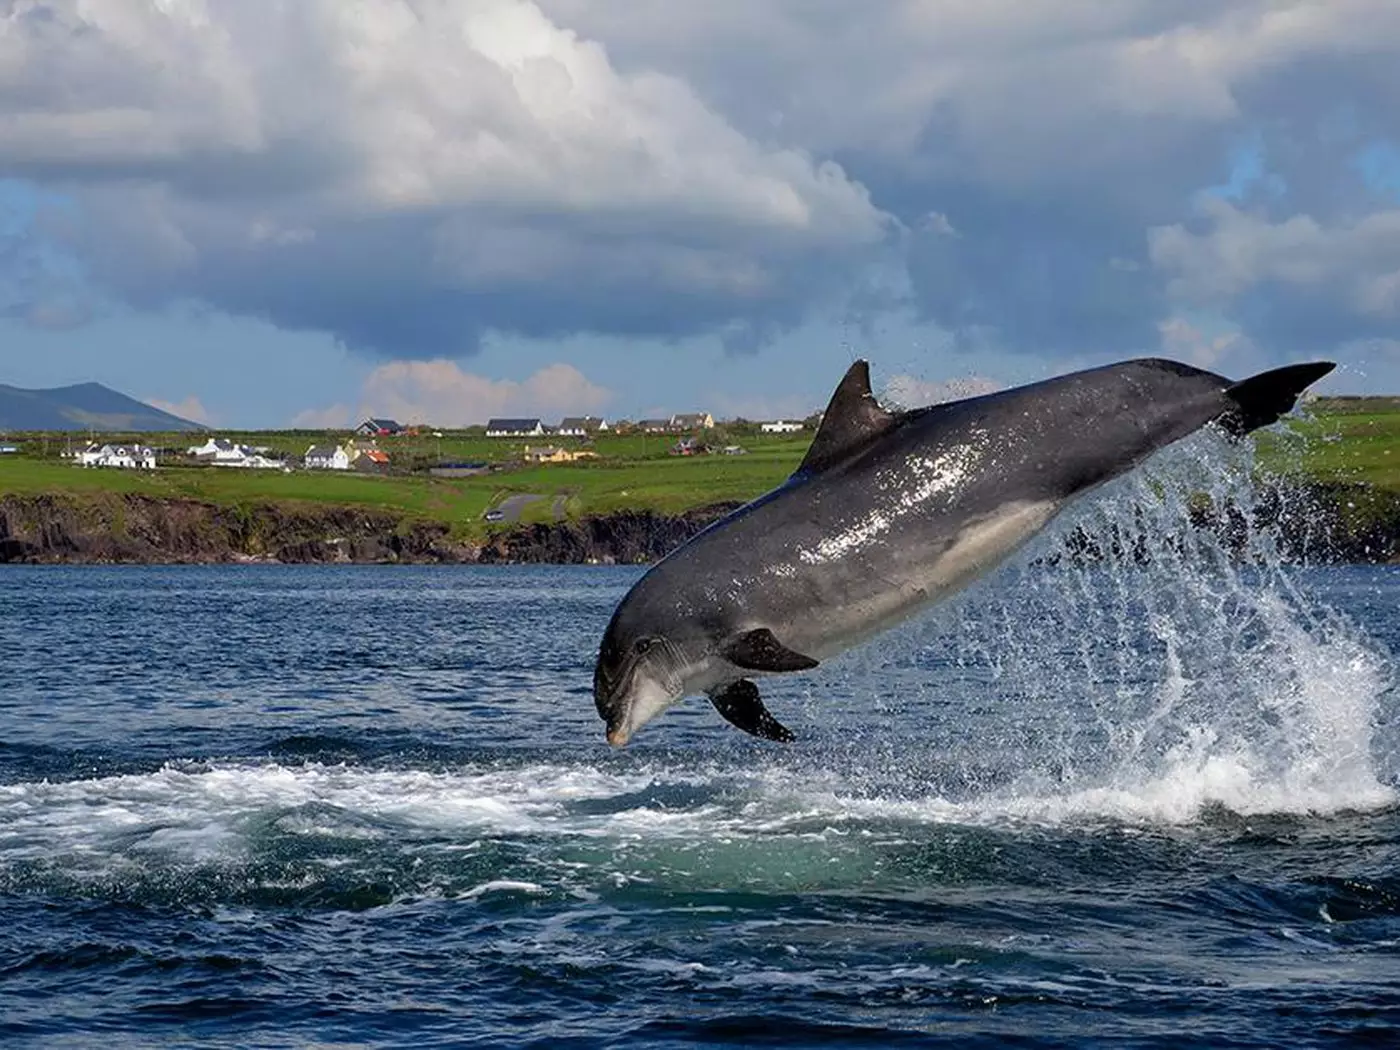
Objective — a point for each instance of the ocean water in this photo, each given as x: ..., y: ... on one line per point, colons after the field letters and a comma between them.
x: 1139, y: 805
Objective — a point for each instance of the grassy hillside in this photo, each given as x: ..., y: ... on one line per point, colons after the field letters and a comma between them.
x: 1347, y: 440
x: 631, y: 472
x: 1355, y: 440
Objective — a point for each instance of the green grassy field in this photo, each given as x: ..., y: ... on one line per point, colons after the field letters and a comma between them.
x: 1355, y: 440
x: 1351, y: 440
x: 631, y: 472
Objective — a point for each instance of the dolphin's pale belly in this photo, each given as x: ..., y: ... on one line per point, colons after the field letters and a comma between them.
x: 880, y: 579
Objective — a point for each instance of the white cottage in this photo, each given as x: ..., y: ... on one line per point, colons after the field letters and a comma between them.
x: 780, y: 426
x: 219, y: 452
x: 327, y: 457
x: 581, y: 426
x: 129, y: 457
x: 509, y: 428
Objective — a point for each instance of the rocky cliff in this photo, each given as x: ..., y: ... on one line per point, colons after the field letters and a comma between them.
x: 117, y: 529
x: 1318, y: 522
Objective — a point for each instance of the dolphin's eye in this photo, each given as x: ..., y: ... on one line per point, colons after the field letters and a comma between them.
x: 643, y: 645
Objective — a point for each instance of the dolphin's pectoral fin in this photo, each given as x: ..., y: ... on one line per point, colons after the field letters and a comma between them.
x: 739, y: 704
x: 760, y: 650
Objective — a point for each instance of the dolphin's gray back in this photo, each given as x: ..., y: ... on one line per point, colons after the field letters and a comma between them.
x: 889, y: 512
x: 836, y: 555
x: 926, y: 501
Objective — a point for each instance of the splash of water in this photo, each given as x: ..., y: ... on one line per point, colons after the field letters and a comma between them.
x: 1189, y: 667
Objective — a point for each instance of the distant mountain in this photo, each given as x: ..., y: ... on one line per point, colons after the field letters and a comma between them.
x: 87, y: 406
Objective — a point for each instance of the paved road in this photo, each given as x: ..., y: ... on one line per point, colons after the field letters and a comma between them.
x: 511, y: 506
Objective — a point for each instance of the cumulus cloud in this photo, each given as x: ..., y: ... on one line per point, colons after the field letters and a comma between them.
x: 1295, y: 273
x: 439, y: 393
x: 1050, y: 138
x: 1187, y: 342
x: 190, y: 408
x: 410, y: 174
x: 906, y: 391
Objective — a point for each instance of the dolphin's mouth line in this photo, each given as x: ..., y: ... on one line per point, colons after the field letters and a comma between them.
x: 645, y: 686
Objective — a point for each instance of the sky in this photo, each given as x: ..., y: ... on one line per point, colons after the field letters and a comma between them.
x: 260, y: 213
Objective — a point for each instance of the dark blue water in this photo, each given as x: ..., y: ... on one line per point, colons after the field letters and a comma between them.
x: 293, y: 807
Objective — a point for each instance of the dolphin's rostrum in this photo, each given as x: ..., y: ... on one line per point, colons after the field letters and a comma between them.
x: 889, y: 512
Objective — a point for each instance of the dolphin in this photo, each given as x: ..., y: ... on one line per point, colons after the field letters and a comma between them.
x: 889, y: 512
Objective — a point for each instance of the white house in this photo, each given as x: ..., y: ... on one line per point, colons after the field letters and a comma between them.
x: 131, y: 457
x: 692, y: 421
x: 500, y: 428
x: 221, y: 453
x: 380, y: 428
x: 217, y: 450
x: 780, y: 426
x: 327, y: 457
x: 581, y: 426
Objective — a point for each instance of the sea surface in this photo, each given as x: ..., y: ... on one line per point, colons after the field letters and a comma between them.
x: 1118, y: 804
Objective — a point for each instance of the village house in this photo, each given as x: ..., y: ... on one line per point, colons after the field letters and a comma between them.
x: 8, y: 450
x: 370, y: 461
x: 379, y: 428
x: 780, y: 426
x: 129, y: 457
x: 221, y: 453
x: 556, y: 455
x: 693, y: 421
x: 218, y: 450
x: 327, y: 457
x: 655, y: 426
x: 514, y: 428
x: 581, y: 426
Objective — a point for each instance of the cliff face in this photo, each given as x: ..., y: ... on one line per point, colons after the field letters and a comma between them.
x: 140, y: 529
x: 627, y: 537
x: 111, y: 528
x: 1318, y: 522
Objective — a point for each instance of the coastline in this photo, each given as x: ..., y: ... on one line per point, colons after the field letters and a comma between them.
x: 128, y: 529
x: 1322, y: 522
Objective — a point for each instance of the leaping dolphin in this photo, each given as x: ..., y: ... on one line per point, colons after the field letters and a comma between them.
x: 888, y: 513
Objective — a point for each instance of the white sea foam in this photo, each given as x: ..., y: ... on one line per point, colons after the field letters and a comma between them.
x: 196, y: 815
x: 504, y: 886
x: 195, y: 808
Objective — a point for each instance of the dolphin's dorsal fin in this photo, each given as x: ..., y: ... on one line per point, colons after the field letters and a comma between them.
x: 852, y: 419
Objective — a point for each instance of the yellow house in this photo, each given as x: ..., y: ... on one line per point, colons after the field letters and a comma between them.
x: 556, y: 455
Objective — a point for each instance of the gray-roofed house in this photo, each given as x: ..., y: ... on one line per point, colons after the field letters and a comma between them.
x: 134, y: 456
x: 693, y: 421
x: 327, y: 457
x: 498, y: 428
x: 581, y: 426
x: 220, y: 452
x: 379, y: 428
x: 655, y: 426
